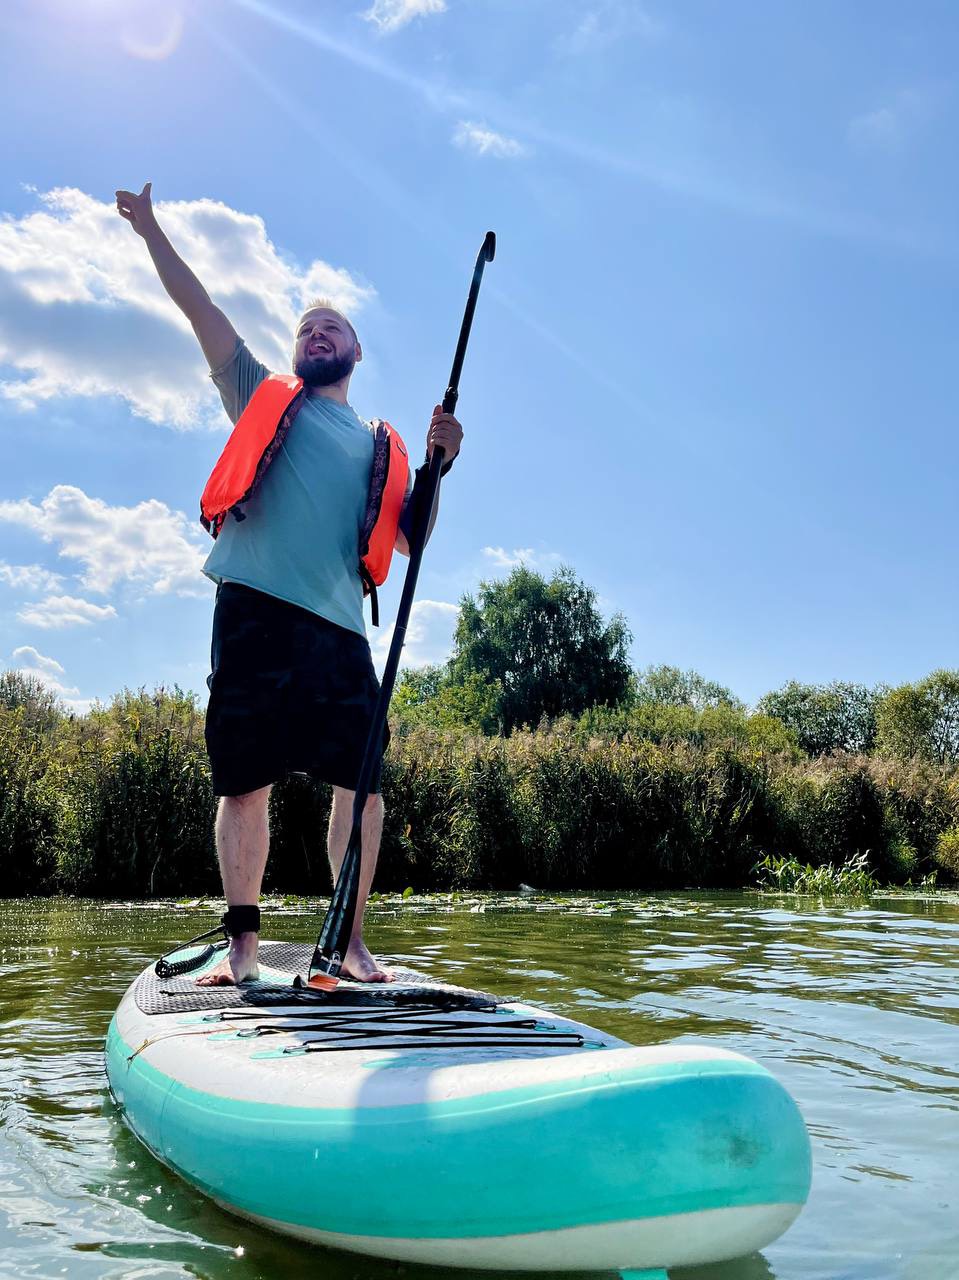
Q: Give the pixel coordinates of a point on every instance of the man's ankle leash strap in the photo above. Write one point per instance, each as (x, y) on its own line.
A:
(237, 920)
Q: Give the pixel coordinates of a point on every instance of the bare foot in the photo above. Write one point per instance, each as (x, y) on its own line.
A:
(239, 966)
(360, 965)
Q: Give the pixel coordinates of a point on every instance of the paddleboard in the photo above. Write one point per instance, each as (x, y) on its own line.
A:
(430, 1123)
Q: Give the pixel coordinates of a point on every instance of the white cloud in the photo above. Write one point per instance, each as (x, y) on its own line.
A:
(503, 559)
(390, 15)
(609, 22)
(148, 543)
(586, 35)
(29, 662)
(888, 128)
(429, 635)
(877, 130)
(57, 612)
(83, 313)
(486, 142)
(29, 577)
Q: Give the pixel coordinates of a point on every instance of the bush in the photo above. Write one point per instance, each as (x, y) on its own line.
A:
(652, 796)
(31, 811)
(833, 809)
(419, 793)
(40, 707)
(947, 852)
(430, 697)
(920, 801)
(921, 720)
(142, 807)
(572, 809)
(299, 818)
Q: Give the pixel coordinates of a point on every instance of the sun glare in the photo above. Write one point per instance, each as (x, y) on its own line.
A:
(150, 29)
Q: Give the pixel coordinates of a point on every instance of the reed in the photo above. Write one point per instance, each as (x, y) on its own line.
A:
(118, 803)
(786, 875)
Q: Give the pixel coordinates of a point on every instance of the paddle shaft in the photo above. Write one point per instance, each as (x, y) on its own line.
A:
(341, 915)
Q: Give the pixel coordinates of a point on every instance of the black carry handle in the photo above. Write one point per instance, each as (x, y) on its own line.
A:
(338, 925)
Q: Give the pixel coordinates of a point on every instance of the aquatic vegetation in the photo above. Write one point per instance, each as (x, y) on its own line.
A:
(787, 875)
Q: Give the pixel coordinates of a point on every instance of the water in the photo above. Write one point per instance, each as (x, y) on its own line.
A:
(854, 1007)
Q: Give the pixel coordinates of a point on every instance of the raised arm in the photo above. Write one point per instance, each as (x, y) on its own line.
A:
(214, 332)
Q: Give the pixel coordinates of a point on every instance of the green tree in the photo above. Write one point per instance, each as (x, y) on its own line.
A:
(427, 695)
(545, 643)
(670, 687)
(826, 717)
(921, 720)
(42, 709)
(416, 686)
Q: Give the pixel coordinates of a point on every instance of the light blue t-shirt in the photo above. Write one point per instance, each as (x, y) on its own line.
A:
(300, 539)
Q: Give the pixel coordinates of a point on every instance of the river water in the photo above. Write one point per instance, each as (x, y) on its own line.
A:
(855, 1006)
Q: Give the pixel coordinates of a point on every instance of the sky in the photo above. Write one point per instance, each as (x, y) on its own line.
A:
(713, 364)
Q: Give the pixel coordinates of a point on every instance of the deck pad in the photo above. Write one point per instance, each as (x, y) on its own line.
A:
(280, 962)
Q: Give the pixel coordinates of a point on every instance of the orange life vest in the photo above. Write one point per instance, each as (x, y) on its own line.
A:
(259, 432)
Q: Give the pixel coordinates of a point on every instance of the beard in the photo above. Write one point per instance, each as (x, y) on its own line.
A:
(323, 371)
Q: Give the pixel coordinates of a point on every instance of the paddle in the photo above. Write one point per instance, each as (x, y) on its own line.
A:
(337, 927)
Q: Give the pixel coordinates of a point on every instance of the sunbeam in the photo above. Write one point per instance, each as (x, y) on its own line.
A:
(417, 216)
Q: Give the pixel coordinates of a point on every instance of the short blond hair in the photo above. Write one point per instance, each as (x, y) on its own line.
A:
(328, 304)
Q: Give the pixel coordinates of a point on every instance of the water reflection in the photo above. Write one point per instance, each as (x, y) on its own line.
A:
(855, 1008)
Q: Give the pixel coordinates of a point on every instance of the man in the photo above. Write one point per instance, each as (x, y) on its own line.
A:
(292, 687)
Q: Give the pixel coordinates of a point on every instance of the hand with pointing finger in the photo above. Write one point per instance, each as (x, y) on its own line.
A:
(444, 433)
(137, 209)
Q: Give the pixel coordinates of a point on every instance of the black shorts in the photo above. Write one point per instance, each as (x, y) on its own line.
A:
(290, 692)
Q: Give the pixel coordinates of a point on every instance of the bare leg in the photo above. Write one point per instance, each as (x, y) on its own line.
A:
(242, 845)
(357, 963)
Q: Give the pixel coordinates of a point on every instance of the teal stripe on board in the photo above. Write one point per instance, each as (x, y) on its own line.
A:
(646, 1143)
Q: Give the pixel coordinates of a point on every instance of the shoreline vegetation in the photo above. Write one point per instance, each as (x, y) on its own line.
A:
(630, 780)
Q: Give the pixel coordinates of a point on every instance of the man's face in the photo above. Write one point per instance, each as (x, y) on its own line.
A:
(325, 349)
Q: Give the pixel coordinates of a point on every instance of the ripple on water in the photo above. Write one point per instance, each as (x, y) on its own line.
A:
(855, 1009)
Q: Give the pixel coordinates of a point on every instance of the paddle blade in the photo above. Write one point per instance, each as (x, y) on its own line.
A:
(337, 928)
(323, 982)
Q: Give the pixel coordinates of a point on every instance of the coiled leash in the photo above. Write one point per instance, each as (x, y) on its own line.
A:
(235, 920)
